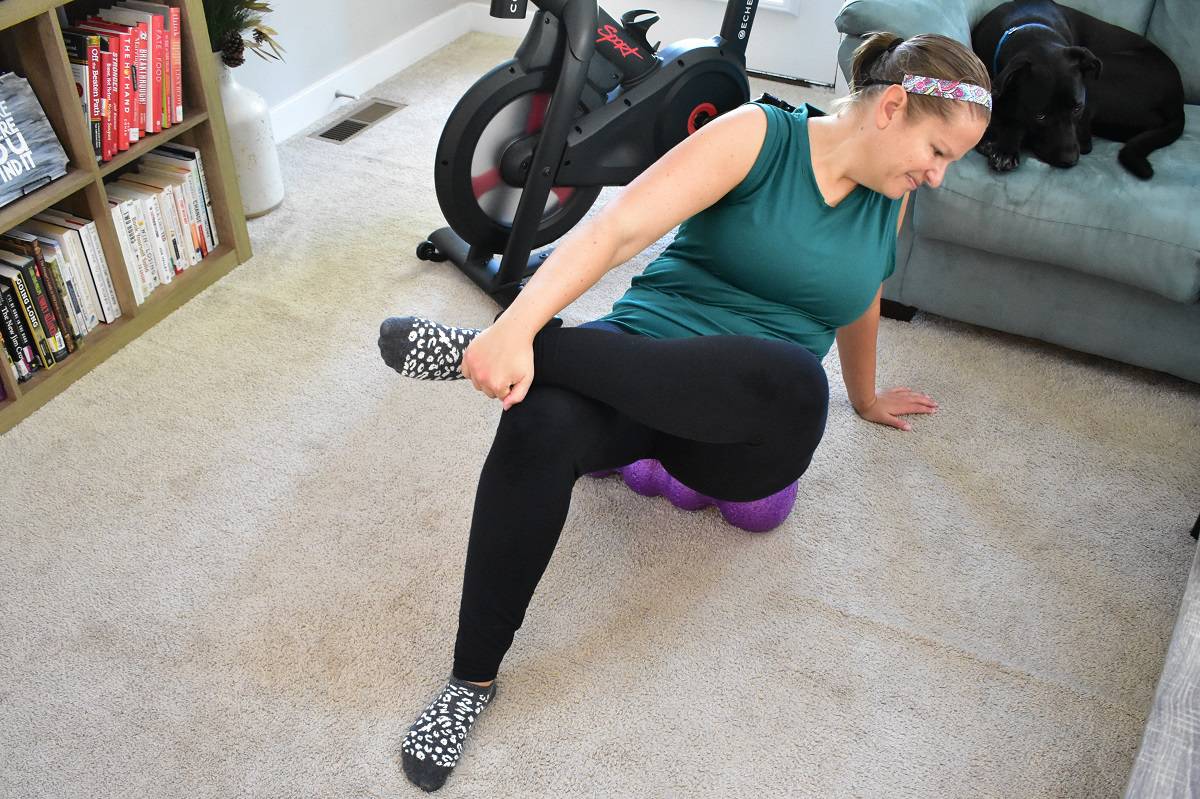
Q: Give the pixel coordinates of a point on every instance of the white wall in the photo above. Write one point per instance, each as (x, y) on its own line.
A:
(347, 46)
(371, 40)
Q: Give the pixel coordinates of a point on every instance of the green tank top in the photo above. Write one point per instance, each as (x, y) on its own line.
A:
(769, 259)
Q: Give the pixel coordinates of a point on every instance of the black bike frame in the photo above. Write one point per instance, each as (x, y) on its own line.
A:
(735, 29)
(581, 21)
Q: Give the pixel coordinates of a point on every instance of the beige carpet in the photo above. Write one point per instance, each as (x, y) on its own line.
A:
(232, 553)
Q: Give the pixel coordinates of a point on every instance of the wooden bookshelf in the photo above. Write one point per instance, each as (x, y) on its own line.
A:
(31, 45)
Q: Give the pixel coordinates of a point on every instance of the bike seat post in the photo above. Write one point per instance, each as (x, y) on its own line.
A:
(735, 28)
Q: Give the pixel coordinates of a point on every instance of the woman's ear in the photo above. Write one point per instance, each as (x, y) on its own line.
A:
(892, 104)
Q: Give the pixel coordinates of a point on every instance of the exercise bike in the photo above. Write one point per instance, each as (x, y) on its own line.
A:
(586, 102)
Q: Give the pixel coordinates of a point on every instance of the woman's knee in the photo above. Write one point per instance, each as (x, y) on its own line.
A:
(548, 419)
(795, 384)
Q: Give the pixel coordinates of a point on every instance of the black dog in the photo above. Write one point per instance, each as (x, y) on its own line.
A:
(1059, 75)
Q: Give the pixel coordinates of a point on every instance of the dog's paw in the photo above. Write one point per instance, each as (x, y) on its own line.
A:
(1136, 164)
(986, 147)
(1004, 162)
(1085, 146)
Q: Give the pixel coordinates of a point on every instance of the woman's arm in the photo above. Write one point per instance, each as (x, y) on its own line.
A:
(690, 177)
(856, 350)
(857, 344)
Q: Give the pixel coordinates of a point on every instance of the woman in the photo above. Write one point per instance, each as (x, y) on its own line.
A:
(710, 362)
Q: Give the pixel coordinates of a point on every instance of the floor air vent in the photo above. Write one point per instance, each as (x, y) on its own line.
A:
(357, 121)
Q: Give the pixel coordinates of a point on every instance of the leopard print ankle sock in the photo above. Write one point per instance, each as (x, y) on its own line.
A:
(434, 742)
(422, 349)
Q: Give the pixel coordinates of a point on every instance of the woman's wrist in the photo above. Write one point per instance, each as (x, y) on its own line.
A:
(862, 407)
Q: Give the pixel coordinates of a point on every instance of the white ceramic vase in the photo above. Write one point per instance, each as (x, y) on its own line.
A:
(255, 157)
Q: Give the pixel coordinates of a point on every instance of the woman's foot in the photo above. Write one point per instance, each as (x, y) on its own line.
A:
(434, 742)
(422, 349)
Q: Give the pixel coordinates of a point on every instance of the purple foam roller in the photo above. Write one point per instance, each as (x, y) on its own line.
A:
(649, 478)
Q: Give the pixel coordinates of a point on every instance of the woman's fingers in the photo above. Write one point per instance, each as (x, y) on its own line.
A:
(518, 393)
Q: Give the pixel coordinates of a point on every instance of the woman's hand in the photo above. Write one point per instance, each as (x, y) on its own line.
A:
(499, 362)
(890, 405)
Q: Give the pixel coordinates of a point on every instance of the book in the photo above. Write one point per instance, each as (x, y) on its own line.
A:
(29, 315)
(11, 370)
(92, 253)
(83, 51)
(193, 155)
(189, 238)
(103, 63)
(96, 288)
(140, 239)
(124, 47)
(32, 155)
(59, 278)
(173, 63)
(147, 54)
(151, 164)
(71, 274)
(16, 337)
(189, 157)
(108, 123)
(27, 245)
(133, 266)
(167, 215)
(41, 302)
(156, 234)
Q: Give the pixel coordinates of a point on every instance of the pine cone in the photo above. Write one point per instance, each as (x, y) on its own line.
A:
(233, 49)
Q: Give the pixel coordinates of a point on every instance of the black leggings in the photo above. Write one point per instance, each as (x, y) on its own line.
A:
(733, 417)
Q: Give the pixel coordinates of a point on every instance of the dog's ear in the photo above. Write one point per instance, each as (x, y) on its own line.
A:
(1086, 61)
(1019, 62)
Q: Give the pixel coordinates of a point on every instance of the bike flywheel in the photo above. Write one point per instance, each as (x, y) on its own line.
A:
(504, 106)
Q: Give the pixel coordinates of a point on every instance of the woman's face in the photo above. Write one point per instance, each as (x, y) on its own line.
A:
(916, 152)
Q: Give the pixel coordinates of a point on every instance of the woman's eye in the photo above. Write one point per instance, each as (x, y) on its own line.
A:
(937, 153)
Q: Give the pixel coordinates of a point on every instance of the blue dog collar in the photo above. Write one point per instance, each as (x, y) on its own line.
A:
(1013, 29)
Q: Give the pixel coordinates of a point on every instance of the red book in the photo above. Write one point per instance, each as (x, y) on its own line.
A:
(110, 59)
(127, 128)
(177, 63)
(107, 73)
(172, 73)
(110, 45)
(140, 22)
(162, 80)
(143, 73)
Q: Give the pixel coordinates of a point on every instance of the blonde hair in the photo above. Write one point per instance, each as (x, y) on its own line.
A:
(888, 57)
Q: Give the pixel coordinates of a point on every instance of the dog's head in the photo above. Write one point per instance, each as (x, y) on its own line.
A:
(1043, 91)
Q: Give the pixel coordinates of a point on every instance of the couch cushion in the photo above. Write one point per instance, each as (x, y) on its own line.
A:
(1175, 27)
(1095, 217)
(955, 18)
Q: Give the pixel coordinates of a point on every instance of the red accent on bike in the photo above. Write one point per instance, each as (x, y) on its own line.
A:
(703, 108)
(563, 193)
(537, 112)
(483, 183)
(610, 34)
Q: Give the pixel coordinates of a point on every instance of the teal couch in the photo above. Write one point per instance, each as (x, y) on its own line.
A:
(1089, 258)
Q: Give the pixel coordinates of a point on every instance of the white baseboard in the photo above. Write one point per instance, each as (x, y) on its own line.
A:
(302, 109)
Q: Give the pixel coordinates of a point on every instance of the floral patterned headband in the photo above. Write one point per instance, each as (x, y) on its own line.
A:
(936, 87)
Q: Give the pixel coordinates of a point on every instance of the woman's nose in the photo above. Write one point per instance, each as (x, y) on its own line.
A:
(934, 176)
